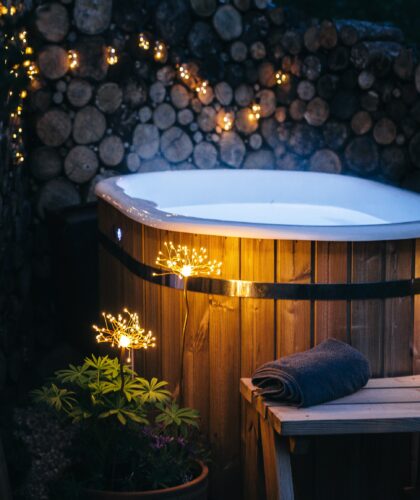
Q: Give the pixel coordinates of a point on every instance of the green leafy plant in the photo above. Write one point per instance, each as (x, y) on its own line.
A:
(130, 434)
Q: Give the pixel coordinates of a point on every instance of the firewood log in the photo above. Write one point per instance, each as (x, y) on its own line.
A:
(205, 155)
(54, 127)
(52, 21)
(79, 92)
(111, 150)
(232, 149)
(164, 116)
(89, 125)
(325, 160)
(227, 21)
(81, 164)
(361, 122)
(92, 17)
(317, 112)
(180, 96)
(109, 97)
(362, 155)
(146, 140)
(53, 62)
(384, 131)
(176, 145)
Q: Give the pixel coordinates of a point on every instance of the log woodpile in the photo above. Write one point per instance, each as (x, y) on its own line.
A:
(337, 96)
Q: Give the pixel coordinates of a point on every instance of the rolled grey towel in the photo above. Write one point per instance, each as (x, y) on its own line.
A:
(328, 371)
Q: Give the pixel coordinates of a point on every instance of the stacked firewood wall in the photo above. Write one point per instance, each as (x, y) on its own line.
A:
(282, 92)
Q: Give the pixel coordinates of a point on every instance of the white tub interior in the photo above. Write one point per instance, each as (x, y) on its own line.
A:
(263, 203)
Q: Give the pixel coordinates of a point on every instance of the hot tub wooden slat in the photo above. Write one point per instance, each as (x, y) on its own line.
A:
(257, 316)
(152, 303)
(293, 266)
(197, 359)
(367, 315)
(416, 326)
(224, 347)
(331, 266)
(398, 311)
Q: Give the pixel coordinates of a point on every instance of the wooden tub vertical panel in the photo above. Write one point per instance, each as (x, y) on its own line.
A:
(258, 341)
(367, 316)
(294, 322)
(224, 349)
(398, 324)
(416, 319)
(152, 300)
(257, 315)
(331, 266)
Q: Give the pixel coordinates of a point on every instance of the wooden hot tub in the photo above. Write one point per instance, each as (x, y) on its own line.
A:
(306, 256)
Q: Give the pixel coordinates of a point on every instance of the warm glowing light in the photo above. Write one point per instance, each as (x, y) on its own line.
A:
(73, 58)
(124, 332)
(23, 94)
(202, 87)
(255, 113)
(281, 77)
(185, 262)
(32, 70)
(111, 56)
(144, 42)
(227, 121)
(22, 37)
(184, 72)
(160, 52)
(29, 50)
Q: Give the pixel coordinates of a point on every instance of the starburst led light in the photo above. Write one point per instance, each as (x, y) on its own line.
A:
(185, 262)
(124, 332)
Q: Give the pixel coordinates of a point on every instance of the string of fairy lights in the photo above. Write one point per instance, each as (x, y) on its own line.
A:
(20, 72)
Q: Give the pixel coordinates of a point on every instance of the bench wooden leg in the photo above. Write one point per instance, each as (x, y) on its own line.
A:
(277, 468)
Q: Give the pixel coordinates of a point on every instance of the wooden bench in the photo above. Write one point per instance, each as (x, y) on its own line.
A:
(386, 405)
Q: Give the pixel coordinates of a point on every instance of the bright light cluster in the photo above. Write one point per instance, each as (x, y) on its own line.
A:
(255, 112)
(185, 262)
(281, 77)
(73, 58)
(124, 332)
(111, 56)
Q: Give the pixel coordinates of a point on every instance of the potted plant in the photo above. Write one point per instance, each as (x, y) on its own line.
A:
(130, 438)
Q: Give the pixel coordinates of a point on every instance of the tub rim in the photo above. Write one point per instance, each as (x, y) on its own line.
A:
(146, 212)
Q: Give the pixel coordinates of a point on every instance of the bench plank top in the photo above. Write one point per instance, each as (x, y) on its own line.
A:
(383, 405)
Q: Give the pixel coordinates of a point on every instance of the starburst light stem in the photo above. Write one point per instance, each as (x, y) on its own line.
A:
(183, 338)
(122, 368)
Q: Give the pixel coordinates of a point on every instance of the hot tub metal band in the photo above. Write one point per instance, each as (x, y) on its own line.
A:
(259, 290)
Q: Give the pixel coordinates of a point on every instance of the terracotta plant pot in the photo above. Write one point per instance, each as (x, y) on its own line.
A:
(197, 489)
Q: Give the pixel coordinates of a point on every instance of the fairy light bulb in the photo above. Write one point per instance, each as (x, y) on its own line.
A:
(73, 58)
(184, 72)
(160, 52)
(111, 56)
(124, 342)
(254, 113)
(144, 42)
(281, 77)
(202, 88)
(227, 122)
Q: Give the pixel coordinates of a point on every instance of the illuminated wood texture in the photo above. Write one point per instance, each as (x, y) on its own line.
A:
(227, 338)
